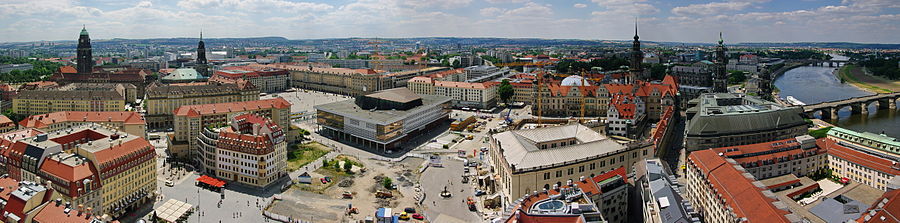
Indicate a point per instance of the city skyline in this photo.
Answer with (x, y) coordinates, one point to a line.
(662, 21)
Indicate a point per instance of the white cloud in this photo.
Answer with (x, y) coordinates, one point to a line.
(504, 1)
(607, 3)
(710, 8)
(530, 9)
(492, 11)
(255, 5)
(579, 5)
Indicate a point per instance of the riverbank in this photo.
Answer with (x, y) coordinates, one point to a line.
(855, 76)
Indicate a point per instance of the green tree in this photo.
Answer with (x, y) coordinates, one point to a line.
(347, 166)
(387, 182)
(490, 58)
(736, 77)
(657, 71)
(505, 90)
(456, 64)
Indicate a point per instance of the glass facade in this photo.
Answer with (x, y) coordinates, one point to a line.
(388, 132)
(331, 120)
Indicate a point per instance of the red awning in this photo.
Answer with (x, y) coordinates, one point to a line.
(211, 181)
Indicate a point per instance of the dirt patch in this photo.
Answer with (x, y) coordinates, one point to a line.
(857, 77)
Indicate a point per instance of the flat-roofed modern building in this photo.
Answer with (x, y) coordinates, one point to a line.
(798, 156)
(383, 120)
(732, 119)
(536, 159)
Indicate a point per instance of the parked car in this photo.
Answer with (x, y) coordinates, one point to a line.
(466, 170)
(323, 180)
(479, 192)
(409, 210)
(169, 183)
(418, 216)
(404, 216)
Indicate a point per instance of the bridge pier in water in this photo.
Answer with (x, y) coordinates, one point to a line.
(859, 108)
(887, 104)
(858, 105)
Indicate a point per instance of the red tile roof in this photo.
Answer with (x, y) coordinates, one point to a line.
(67, 172)
(860, 158)
(9, 185)
(759, 152)
(662, 125)
(888, 213)
(738, 192)
(618, 171)
(519, 217)
(249, 71)
(204, 109)
(557, 90)
(5, 120)
(45, 120)
(53, 213)
(456, 84)
(133, 146)
(68, 70)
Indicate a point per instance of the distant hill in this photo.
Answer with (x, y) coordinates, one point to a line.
(434, 41)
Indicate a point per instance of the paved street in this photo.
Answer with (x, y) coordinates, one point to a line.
(240, 203)
(433, 181)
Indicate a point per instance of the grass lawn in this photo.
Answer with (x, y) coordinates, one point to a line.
(819, 133)
(301, 154)
(844, 74)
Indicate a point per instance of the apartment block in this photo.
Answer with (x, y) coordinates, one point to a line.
(126, 121)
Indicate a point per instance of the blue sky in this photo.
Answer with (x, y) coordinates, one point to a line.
(660, 20)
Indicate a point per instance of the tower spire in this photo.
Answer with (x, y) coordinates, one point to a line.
(635, 28)
(721, 40)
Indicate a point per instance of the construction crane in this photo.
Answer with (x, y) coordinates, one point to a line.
(522, 64)
(583, 92)
(540, 78)
(376, 43)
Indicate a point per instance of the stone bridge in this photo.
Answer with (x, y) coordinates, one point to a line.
(826, 63)
(858, 105)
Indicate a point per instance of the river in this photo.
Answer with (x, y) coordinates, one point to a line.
(818, 84)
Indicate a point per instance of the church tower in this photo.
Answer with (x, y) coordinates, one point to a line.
(637, 57)
(83, 55)
(201, 65)
(720, 77)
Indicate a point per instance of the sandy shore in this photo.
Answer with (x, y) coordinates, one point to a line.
(856, 77)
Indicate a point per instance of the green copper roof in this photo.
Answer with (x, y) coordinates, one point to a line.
(886, 142)
(84, 31)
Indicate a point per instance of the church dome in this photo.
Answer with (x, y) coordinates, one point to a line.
(574, 80)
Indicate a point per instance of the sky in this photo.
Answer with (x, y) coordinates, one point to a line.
(865, 21)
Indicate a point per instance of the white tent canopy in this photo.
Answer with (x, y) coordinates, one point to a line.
(172, 210)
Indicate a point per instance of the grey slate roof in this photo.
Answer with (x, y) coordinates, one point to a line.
(348, 108)
(519, 147)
